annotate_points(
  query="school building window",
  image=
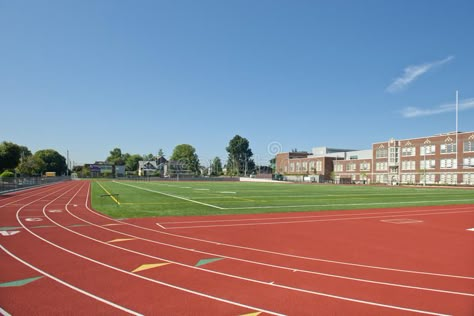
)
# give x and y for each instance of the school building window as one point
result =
(468, 146)
(381, 153)
(448, 148)
(408, 151)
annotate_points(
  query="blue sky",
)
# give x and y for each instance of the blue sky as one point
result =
(89, 76)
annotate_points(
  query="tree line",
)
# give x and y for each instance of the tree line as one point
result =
(19, 159)
(239, 160)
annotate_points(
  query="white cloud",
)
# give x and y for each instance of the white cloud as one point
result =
(411, 112)
(411, 73)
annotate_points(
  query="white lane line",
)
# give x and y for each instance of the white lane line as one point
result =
(49, 275)
(69, 285)
(171, 195)
(242, 278)
(280, 253)
(139, 253)
(160, 226)
(345, 204)
(39, 191)
(401, 221)
(252, 262)
(290, 255)
(2, 311)
(313, 220)
(307, 216)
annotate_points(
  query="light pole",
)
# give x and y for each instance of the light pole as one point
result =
(424, 166)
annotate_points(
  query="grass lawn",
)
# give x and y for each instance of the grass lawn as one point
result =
(143, 199)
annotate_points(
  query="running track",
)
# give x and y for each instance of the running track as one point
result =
(65, 258)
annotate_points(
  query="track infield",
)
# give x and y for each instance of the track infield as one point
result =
(59, 256)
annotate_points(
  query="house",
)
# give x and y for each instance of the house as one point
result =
(158, 166)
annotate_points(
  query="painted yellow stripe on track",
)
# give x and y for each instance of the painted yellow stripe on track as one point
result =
(110, 194)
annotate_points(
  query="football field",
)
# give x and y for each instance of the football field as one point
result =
(143, 199)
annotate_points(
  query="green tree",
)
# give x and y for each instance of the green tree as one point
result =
(216, 167)
(148, 157)
(273, 164)
(32, 165)
(53, 161)
(10, 155)
(161, 153)
(239, 161)
(116, 157)
(186, 154)
(25, 152)
(131, 164)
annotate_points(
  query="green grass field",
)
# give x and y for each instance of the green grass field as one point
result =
(144, 199)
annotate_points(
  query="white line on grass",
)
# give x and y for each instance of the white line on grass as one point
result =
(342, 204)
(171, 195)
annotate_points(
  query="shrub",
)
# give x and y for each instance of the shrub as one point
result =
(7, 174)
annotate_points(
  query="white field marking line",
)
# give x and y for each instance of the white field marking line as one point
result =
(138, 253)
(171, 195)
(243, 260)
(51, 276)
(278, 253)
(313, 220)
(220, 273)
(333, 196)
(321, 216)
(343, 204)
(100, 299)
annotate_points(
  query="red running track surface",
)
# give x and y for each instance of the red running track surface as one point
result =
(58, 256)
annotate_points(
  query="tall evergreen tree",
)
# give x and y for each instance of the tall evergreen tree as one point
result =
(240, 160)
